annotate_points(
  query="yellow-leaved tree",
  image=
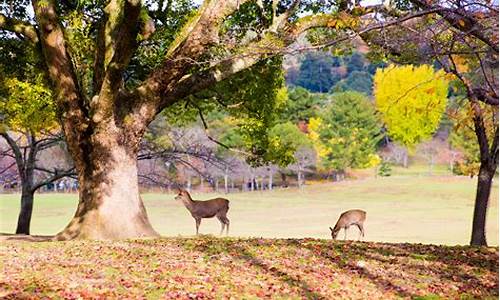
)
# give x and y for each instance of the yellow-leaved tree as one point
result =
(411, 100)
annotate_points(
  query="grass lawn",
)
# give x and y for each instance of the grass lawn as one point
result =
(231, 268)
(414, 209)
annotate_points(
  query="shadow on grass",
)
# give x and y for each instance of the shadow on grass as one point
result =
(461, 265)
(305, 289)
(241, 251)
(344, 262)
(482, 259)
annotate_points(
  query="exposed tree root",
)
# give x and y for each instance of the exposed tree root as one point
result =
(26, 238)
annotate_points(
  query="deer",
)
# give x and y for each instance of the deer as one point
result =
(347, 219)
(206, 209)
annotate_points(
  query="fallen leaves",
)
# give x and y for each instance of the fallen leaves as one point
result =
(232, 268)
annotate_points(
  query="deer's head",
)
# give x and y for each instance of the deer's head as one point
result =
(182, 195)
(334, 232)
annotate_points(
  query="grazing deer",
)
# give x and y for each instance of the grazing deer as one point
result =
(206, 209)
(348, 218)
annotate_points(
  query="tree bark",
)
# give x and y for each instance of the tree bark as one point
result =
(483, 191)
(226, 188)
(489, 162)
(24, 219)
(270, 179)
(110, 206)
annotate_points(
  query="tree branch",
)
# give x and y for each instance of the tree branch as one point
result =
(463, 21)
(7, 168)
(114, 52)
(25, 29)
(193, 41)
(57, 175)
(17, 152)
(63, 77)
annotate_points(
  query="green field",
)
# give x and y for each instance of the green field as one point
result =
(416, 209)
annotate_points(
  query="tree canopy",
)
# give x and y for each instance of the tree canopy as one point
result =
(346, 134)
(411, 100)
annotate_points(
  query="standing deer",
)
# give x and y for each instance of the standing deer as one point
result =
(206, 209)
(348, 218)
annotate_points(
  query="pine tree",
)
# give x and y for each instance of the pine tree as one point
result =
(316, 73)
(347, 133)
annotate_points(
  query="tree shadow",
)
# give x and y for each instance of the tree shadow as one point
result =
(240, 252)
(342, 261)
(387, 254)
(408, 258)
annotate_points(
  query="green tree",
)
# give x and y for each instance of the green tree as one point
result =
(411, 101)
(316, 72)
(302, 105)
(299, 148)
(356, 62)
(289, 137)
(357, 81)
(348, 133)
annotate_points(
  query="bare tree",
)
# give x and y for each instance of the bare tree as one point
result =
(305, 158)
(26, 148)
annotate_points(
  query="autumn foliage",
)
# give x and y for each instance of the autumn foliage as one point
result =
(411, 100)
(209, 268)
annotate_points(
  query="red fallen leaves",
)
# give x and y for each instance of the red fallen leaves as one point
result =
(208, 268)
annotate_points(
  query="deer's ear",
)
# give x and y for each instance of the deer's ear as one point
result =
(331, 229)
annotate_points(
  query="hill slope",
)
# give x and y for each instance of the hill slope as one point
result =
(208, 267)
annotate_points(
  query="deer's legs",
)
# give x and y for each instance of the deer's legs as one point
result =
(361, 231)
(345, 233)
(224, 221)
(227, 226)
(222, 224)
(198, 222)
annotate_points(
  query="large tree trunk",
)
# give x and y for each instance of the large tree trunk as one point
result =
(109, 205)
(24, 219)
(484, 182)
